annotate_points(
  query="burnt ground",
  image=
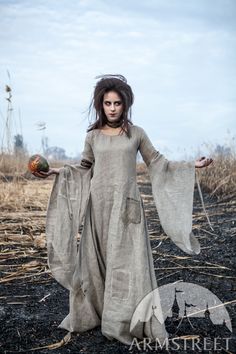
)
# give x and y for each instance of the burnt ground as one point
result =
(32, 303)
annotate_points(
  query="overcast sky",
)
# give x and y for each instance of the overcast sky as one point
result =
(178, 55)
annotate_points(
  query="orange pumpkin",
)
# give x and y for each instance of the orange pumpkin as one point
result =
(38, 163)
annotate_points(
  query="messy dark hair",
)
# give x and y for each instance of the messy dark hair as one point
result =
(117, 83)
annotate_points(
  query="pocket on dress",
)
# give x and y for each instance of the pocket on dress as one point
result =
(132, 212)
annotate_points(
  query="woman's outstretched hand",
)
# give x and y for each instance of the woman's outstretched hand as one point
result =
(41, 174)
(203, 162)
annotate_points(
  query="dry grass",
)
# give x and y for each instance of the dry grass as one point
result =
(21, 194)
(19, 189)
(220, 178)
(13, 164)
(24, 195)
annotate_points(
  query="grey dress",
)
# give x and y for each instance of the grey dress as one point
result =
(113, 268)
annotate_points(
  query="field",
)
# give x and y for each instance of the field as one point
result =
(32, 303)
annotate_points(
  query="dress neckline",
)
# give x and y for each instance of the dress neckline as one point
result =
(110, 134)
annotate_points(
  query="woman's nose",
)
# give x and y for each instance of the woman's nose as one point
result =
(112, 107)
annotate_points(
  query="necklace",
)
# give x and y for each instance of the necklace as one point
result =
(114, 124)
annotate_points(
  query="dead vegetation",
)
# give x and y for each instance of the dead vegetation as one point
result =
(26, 283)
(34, 303)
(220, 179)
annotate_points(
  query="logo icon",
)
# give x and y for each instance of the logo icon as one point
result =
(181, 310)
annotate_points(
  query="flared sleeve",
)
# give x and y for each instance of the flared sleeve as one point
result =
(172, 188)
(65, 213)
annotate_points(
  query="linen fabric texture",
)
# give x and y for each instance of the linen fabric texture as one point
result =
(112, 269)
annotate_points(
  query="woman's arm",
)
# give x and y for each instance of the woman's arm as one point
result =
(52, 171)
(146, 148)
(86, 161)
(87, 157)
(149, 152)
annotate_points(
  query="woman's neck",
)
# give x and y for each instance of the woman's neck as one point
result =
(115, 124)
(107, 127)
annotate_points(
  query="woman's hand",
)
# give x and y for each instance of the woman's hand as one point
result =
(52, 171)
(203, 162)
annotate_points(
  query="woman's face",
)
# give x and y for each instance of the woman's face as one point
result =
(113, 106)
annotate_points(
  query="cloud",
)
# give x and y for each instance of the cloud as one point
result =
(178, 57)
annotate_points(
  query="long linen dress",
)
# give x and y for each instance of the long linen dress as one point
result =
(112, 270)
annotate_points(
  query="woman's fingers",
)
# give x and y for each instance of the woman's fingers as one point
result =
(207, 162)
(39, 174)
(42, 174)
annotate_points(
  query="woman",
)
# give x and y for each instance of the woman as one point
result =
(113, 269)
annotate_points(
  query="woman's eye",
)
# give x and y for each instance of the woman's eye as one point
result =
(115, 103)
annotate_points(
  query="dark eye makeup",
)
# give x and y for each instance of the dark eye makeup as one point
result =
(117, 103)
